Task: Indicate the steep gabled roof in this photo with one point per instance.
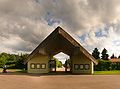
(59, 40)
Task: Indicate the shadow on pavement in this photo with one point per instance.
(38, 75)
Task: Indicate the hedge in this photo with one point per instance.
(105, 65)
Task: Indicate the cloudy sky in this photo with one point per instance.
(25, 23)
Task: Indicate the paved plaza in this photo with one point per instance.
(33, 81)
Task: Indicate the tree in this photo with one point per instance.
(113, 56)
(3, 60)
(58, 63)
(96, 53)
(104, 54)
(4, 57)
(13, 60)
(20, 61)
(12, 57)
(119, 56)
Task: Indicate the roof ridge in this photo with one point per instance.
(67, 36)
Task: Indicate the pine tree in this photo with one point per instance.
(119, 56)
(104, 54)
(96, 53)
(113, 56)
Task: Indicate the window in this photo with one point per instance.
(81, 66)
(76, 66)
(87, 66)
(32, 65)
(38, 65)
(43, 66)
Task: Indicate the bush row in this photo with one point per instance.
(107, 65)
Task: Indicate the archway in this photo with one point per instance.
(60, 63)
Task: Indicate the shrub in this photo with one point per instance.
(105, 65)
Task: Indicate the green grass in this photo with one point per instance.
(17, 70)
(14, 70)
(112, 72)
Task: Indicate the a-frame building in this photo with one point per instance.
(39, 60)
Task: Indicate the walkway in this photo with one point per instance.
(32, 81)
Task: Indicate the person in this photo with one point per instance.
(4, 69)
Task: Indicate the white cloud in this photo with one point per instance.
(62, 57)
(24, 23)
(109, 40)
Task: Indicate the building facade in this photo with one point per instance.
(39, 61)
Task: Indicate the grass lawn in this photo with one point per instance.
(112, 72)
(14, 70)
(17, 70)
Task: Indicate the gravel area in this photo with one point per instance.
(35, 81)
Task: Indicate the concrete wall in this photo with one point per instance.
(82, 61)
(39, 59)
(79, 60)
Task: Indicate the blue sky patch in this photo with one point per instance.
(102, 32)
(83, 37)
(50, 20)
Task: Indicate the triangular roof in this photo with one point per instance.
(60, 41)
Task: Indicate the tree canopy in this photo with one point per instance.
(13, 60)
(104, 54)
(58, 63)
(113, 56)
(96, 53)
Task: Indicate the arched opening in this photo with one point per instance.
(60, 63)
